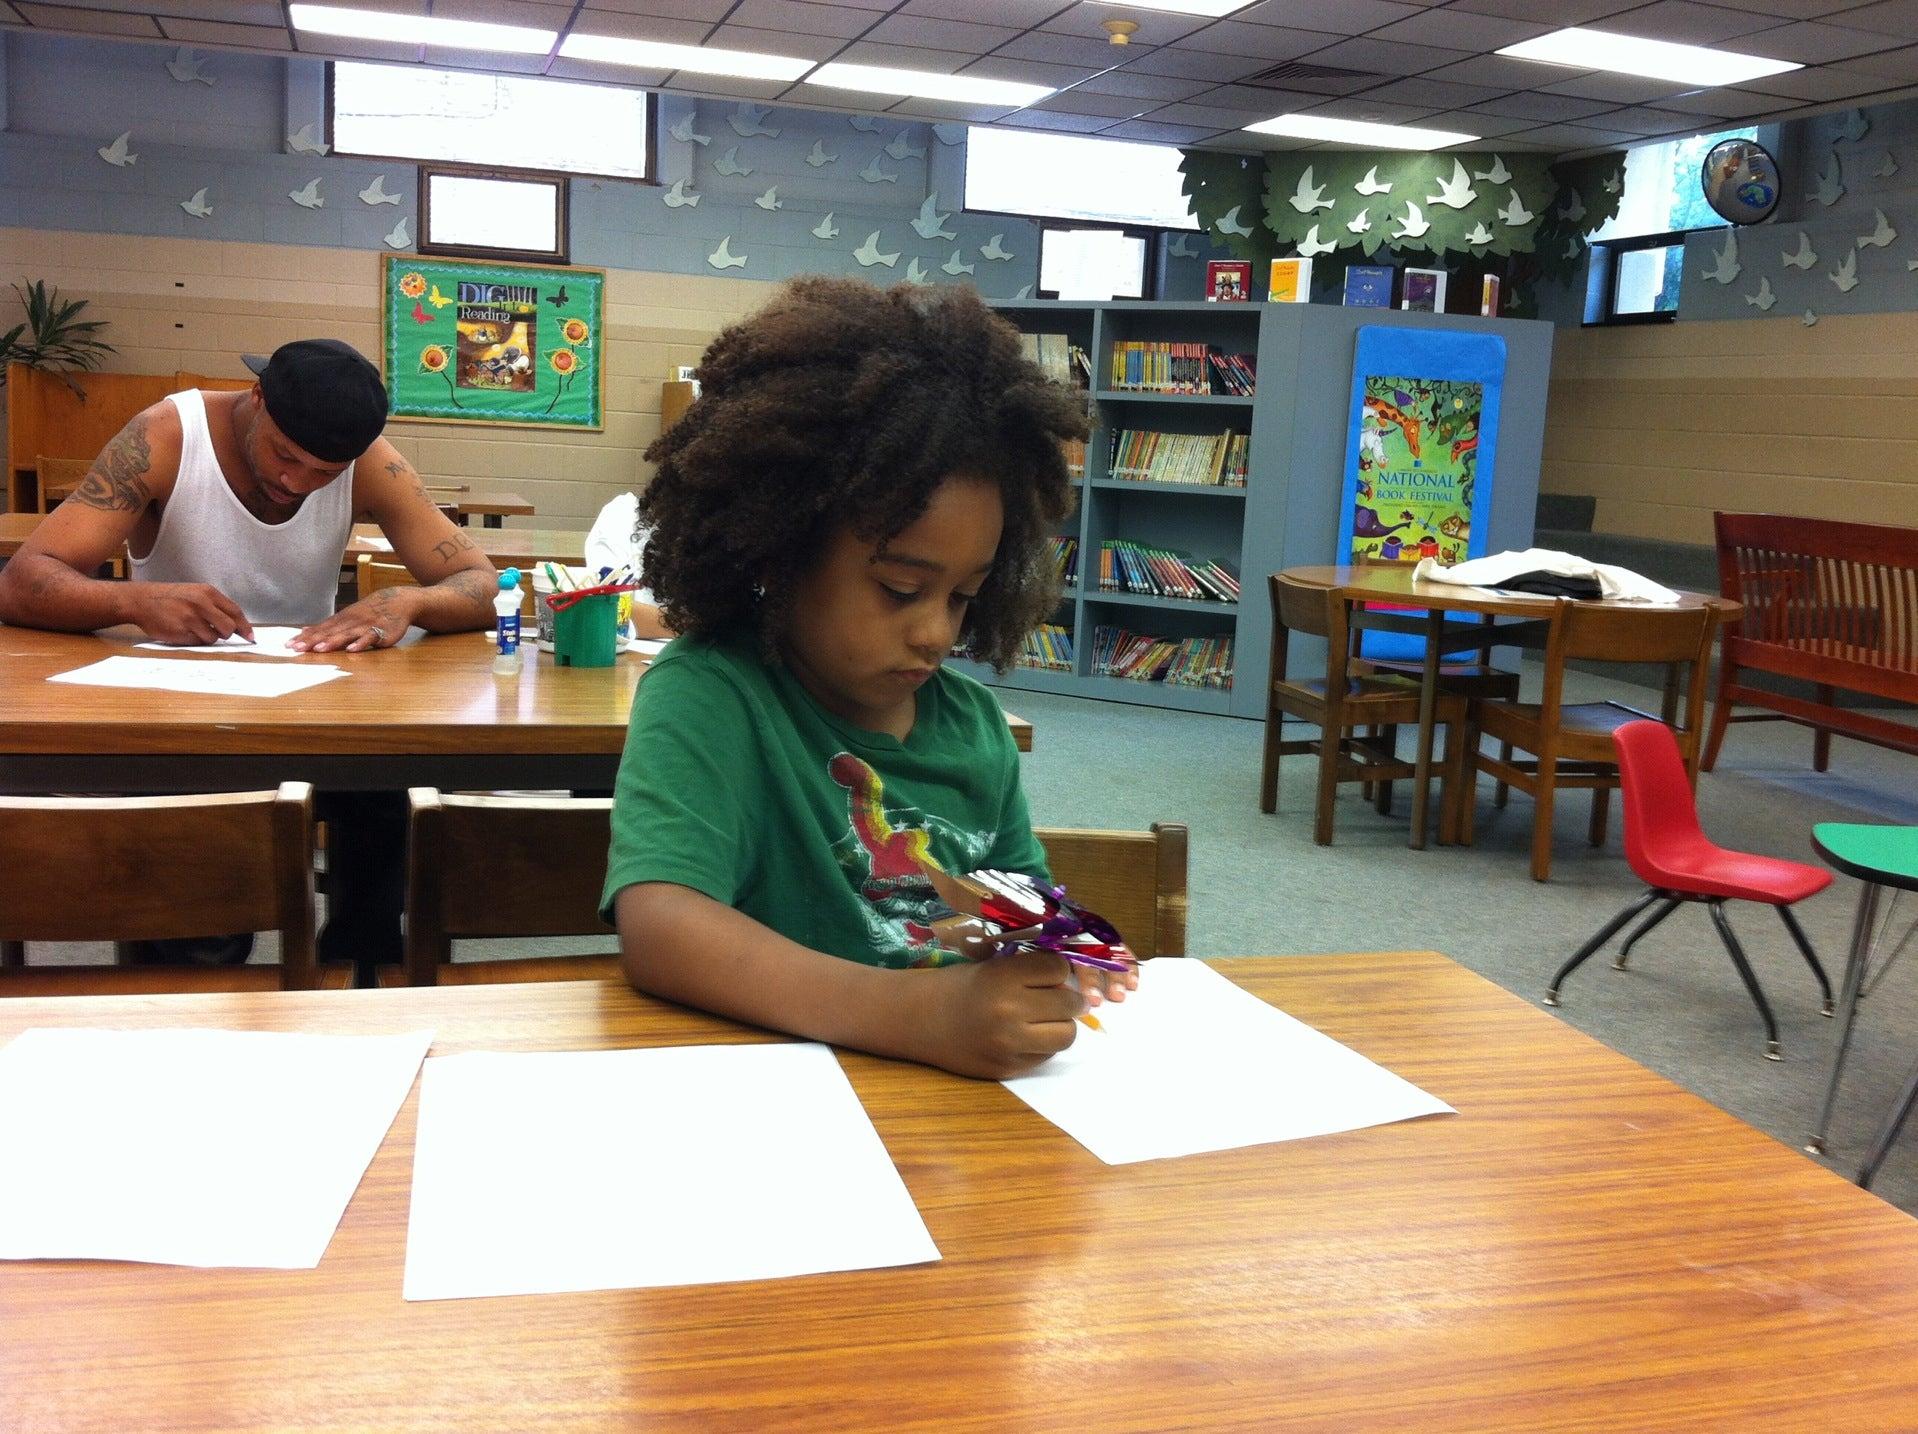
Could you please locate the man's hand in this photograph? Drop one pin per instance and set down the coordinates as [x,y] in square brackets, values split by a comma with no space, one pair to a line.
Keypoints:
[378,621]
[999,1018]
[187,614]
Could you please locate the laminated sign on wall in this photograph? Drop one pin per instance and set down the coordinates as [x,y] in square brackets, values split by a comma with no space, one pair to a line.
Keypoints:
[467,341]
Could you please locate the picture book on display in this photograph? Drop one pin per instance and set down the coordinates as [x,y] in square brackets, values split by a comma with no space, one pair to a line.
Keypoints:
[1488,297]
[1368,286]
[1228,281]
[1424,289]
[1291,281]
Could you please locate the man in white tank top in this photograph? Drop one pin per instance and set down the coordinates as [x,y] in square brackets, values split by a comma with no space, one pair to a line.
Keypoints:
[237,508]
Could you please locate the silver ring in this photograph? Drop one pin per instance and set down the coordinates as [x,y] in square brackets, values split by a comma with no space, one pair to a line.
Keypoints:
[379,634]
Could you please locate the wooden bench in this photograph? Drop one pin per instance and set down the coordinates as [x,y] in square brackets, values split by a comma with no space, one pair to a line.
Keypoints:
[1835,604]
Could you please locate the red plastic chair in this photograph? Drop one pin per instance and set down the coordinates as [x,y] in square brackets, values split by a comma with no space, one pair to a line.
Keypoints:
[1671,854]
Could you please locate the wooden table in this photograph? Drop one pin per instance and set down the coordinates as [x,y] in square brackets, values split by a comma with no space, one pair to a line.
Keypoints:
[491,508]
[1585,1246]
[507,547]
[1395,586]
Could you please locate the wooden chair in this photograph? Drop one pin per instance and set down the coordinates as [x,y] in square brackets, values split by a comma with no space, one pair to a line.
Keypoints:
[482,866]
[1339,704]
[370,575]
[1572,744]
[58,477]
[148,868]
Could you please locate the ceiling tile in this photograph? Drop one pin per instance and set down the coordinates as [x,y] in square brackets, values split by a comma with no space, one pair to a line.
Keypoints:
[1052,119]
[1562,137]
[929,32]
[948,110]
[1420,90]
[1199,65]
[1899,65]
[490,61]
[1619,89]
[1156,27]
[1266,42]
[774,42]
[903,57]
[1559,12]
[1458,30]
[1541,108]
[1378,57]
[563,68]
[1725,103]
[1209,117]
[1029,72]
[711,11]
[725,87]
[336,47]
[10,16]
[998,12]
[1066,49]
[1830,82]
[212,32]
[800,17]
[1686,23]
[1336,17]
[642,27]
[1639,119]
[1152,133]
[1482,125]
[1134,82]
[1895,17]
[90,22]
[1815,44]
[232,12]
[1500,72]
[504,12]
[1801,9]
[1363,107]
[1085,102]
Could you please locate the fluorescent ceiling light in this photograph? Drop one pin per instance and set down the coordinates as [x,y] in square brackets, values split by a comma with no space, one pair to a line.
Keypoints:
[1695,66]
[1211,9]
[421,30]
[1382,136]
[883,80]
[698,59]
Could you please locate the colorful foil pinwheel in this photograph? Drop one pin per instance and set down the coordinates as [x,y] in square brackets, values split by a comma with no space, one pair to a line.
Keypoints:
[1021,913]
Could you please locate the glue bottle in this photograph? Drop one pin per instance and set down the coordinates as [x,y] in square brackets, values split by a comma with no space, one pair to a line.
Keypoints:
[506,623]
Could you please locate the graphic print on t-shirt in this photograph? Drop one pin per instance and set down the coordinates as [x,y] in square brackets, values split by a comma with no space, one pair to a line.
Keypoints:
[881,854]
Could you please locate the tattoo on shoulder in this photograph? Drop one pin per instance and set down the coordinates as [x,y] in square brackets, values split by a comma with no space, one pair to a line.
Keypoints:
[115,483]
[453,547]
[401,472]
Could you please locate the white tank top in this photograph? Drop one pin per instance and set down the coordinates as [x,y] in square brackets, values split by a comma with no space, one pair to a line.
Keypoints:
[285,574]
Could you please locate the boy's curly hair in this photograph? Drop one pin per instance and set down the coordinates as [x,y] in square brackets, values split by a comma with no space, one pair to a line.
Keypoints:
[841,403]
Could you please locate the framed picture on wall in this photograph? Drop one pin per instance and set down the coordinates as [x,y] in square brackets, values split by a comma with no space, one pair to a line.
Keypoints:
[470,341]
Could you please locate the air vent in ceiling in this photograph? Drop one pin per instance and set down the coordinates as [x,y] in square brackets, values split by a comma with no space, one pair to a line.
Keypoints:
[1294,72]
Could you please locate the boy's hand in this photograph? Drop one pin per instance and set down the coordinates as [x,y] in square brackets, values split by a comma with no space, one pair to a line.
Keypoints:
[999,1018]
[1101,986]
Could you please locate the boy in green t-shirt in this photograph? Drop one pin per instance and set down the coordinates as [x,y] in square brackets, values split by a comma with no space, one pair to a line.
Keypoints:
[868,479]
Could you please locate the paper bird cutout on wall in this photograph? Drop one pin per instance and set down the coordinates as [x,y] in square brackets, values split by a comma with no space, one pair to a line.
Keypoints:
[1829,186]
[1479,235]
[1497,174]
[1887,167]
[1852,126]
[948,133]
[1515,213]
[1456,192]
[903,148]
[749,119]
[868,253]
[1413,224]
[1573,209]
[825,228]
[679,196]
[1025,292]
[728,163]
[931,224]
[916,273]
[1726,266]
[993,249]
[1809,319]
[955,266]
[724,258]
[1881,234]
[1370,184]
[770,200]
[865,124]
[116,154]
[398,238]
[1181,247]
[1764,298]
[304,141]
[1229,223]
[197,205]
[1360,222]
[186,67]
[375,193]
[1802,257]
[1845,276]
[683,132]
[875,173]
[1307,197]
[1312,245]
[308,195]
[817,156]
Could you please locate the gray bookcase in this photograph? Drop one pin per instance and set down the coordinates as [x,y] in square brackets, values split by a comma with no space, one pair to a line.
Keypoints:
[1288,512]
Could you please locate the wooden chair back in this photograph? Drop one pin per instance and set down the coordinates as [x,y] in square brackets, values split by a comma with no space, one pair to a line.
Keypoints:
[1136,880]
[1619,632]
[370,575]
[1317,612]
[67,415]
[184,379]
[503,866]
[58,477]
[150,868]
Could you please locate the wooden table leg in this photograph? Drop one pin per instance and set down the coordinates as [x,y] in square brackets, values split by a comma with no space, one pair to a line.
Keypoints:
[1428,709]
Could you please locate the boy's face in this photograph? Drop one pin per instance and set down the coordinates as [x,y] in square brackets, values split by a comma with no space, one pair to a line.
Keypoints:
[871,622]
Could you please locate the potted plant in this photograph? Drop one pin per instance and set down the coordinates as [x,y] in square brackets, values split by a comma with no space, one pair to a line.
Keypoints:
[53,337]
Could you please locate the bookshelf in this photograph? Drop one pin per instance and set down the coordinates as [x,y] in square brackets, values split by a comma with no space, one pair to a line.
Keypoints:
[1285,515]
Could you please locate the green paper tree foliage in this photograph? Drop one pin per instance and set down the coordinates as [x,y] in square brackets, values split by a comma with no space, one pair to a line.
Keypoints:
[1229,189]
[1439,203]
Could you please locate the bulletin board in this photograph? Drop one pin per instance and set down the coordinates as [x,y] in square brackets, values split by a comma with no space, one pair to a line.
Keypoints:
[468,341]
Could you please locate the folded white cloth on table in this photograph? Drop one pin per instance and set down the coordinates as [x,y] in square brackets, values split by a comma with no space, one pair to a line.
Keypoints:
[1620,584]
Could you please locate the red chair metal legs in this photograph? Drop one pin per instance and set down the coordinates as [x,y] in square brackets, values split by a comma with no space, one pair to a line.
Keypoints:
[1667,849]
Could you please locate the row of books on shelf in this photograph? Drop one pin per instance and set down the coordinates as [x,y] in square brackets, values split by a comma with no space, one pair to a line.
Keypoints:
[1182,662]
[1063,361]
[1065,556]
[1128,567]
[1184,368]
[1048,648]
[1075,450]
[1203,459]
[1367,286]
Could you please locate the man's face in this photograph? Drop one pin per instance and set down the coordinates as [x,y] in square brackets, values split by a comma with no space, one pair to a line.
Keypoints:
[284,472]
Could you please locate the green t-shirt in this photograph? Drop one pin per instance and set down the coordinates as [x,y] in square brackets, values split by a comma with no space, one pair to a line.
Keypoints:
[736,783]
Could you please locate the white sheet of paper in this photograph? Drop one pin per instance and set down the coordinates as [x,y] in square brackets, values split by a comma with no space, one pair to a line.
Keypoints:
[384,545]
[201,674]
[268,642]
[191,1147]
[603,1170]
[650,646]
[1190,1062]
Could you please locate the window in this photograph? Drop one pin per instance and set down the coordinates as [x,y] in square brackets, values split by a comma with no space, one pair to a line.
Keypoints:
[1104,263]
[492,214]
[500,121]
[1064,176]
[1662,192]
[1635,281]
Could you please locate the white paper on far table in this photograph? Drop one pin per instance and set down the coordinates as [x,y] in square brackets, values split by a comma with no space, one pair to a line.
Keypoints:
[599,1170]
[649,646]
[201,674]
[191,1147]
[268,642]
[1190,1062]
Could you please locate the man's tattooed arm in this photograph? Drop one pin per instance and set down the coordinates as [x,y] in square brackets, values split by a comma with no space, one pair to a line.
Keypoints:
[116,483]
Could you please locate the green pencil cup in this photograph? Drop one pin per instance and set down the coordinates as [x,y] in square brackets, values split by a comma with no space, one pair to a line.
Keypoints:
[586,633]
